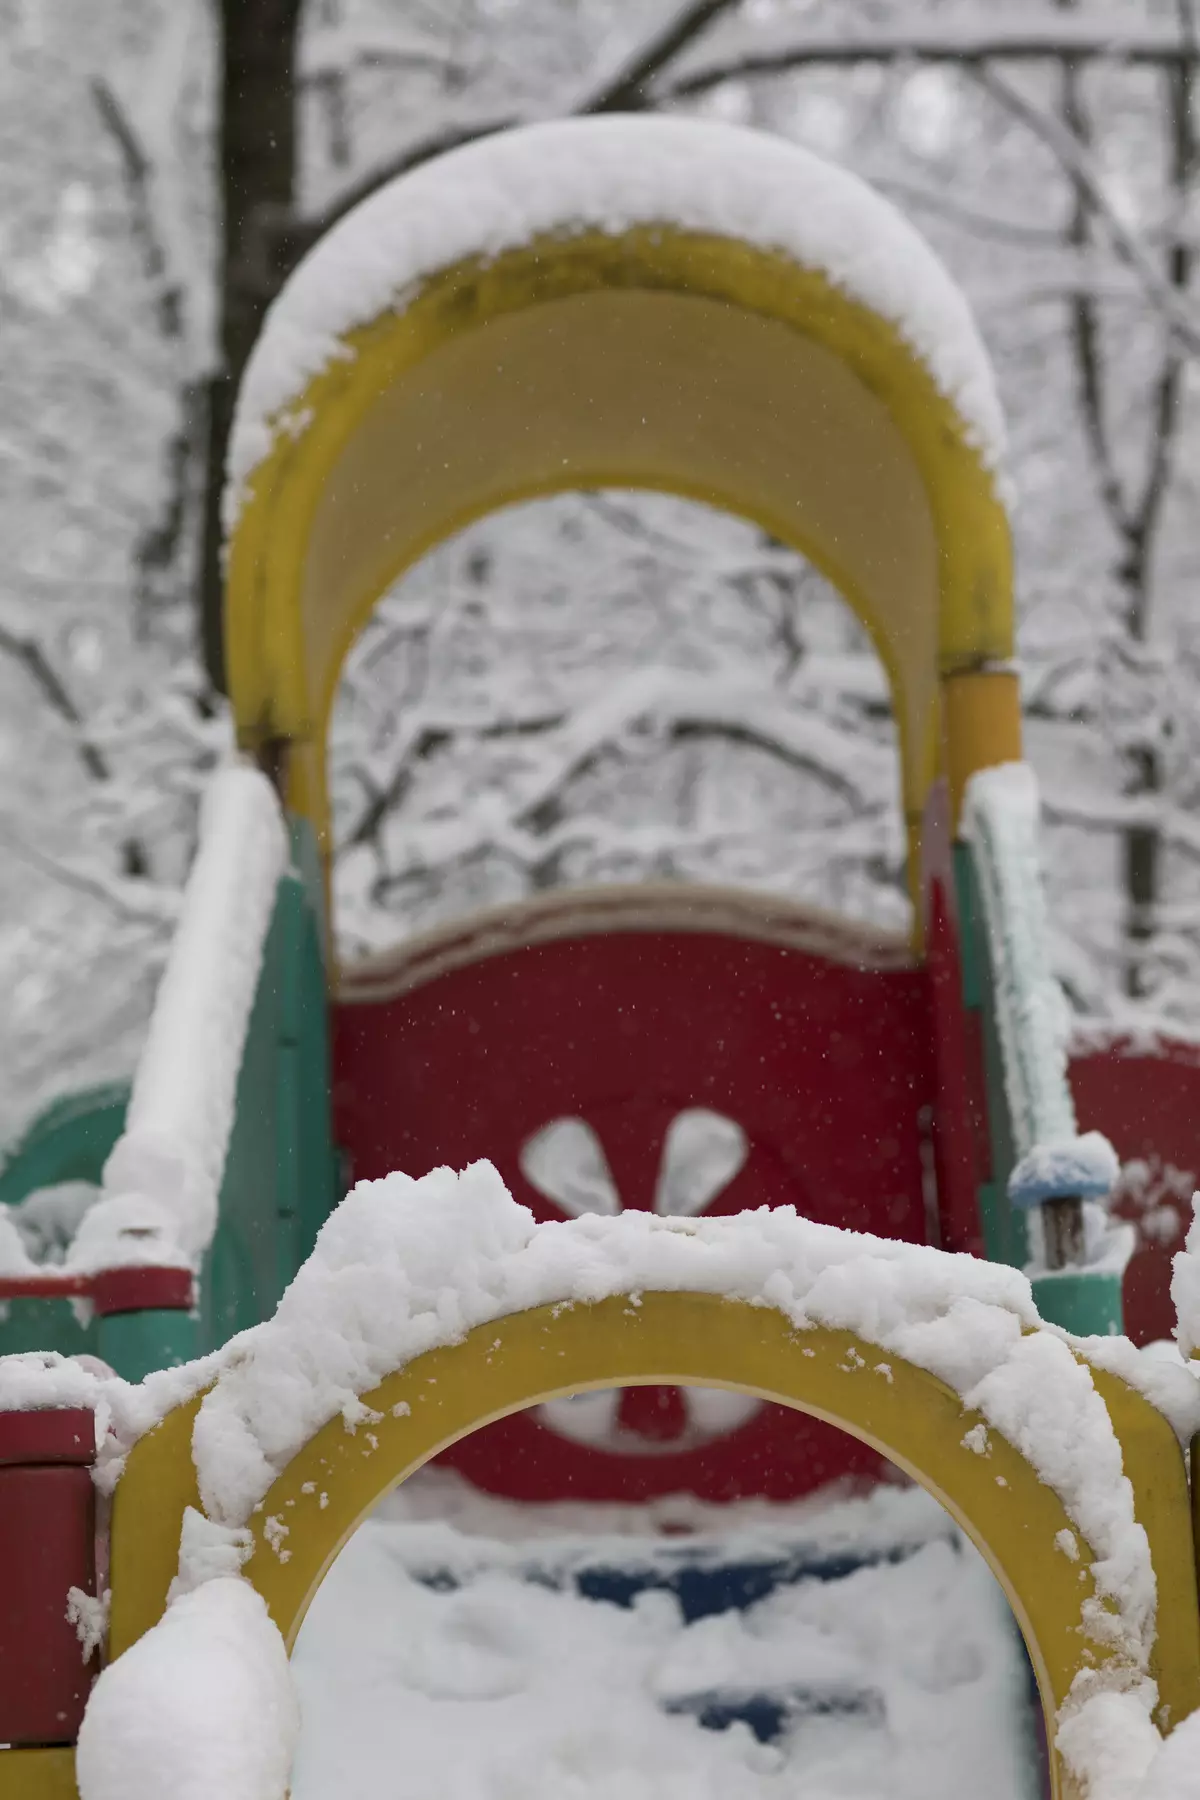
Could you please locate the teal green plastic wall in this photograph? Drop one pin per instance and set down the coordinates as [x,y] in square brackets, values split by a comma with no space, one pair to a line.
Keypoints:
[70,1141]
[280,1181]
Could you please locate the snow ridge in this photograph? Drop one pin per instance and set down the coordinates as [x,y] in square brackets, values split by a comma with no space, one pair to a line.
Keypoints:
[162,1182]
[610,174]
[404,1266]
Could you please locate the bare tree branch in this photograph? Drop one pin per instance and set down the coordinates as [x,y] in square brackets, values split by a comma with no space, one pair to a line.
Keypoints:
[1073,158]
[1182,153]
[138,173]
[134,902]
[40,669]
[1031,38]
[1084,322]
[626,91]
[985,225]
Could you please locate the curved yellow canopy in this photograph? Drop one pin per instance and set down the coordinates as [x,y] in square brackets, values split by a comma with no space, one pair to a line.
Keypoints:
[647,357]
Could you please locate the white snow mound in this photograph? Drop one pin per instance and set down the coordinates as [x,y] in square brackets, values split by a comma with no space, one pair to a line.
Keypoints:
[610,173]
[164,1174]
[201,1705]
[404,1266]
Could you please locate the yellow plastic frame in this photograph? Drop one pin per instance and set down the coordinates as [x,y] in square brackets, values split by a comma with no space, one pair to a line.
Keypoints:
[332,1484]
[654,358]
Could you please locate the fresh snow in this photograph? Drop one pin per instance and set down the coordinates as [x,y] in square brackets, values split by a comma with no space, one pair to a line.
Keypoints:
[444,1655]
[162,1182]
[37,1231]
[404,1266]
[202,1705]
[1000,822]
[609,173]
[1085,1166]
[1185,1286]
[124,1411]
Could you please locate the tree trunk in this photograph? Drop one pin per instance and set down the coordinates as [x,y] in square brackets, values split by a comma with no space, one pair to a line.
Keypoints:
[256,151]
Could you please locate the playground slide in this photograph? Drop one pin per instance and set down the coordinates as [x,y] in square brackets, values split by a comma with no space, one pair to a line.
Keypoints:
[669,304]
[859,1648]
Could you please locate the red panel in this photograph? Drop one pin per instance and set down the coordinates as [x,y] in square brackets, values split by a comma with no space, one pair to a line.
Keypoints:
[825,1067]
[135,1289]
[960,1078]
[52,1435]
[1149,1106]
[47,1526]
[777,1455]
[142,1290]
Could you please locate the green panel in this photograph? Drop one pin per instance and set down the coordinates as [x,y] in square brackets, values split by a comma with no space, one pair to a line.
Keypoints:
[1086,1304]
[1004,1234]
[972,941]
[279,1184]
[135,1343]
[46,1325]
[280,1180]
[306,864]
[240,1283]
[70,1141]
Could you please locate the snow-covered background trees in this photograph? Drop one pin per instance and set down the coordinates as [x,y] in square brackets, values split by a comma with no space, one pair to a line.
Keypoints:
[603,686]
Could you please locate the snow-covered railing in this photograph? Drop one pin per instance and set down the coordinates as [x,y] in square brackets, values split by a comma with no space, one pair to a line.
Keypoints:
[1054,1163]
[403,1267]
[162,1181]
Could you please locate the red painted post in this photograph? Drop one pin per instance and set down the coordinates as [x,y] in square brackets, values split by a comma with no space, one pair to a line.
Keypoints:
[47,1546]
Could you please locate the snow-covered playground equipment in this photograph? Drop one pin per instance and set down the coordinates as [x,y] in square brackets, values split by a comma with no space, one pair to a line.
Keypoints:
[653,304]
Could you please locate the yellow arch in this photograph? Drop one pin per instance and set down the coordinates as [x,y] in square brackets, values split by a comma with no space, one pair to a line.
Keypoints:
[660,358]
[331,1485]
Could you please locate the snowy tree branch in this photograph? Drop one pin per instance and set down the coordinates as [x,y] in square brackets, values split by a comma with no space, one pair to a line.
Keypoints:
[678,711]
[41,671]
[1074,159]
[628,90]
[134,902]
[138,171]
[1032,38]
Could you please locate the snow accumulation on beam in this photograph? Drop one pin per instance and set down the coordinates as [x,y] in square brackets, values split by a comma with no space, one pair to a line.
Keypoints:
[611,174]
[202,1705]
[1000,822]
[404,1266]
[162,1181]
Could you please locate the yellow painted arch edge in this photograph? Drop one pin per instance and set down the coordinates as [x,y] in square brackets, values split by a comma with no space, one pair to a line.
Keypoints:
[334,1482]
[282,679]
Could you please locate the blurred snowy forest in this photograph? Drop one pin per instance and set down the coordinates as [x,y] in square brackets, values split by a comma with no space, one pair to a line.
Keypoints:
[603,686]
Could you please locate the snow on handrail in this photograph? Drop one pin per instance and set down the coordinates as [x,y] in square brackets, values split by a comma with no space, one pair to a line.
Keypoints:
[162,1181]
[1000,822]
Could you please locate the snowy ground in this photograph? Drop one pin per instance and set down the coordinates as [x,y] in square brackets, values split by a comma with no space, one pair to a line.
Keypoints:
[901,1678]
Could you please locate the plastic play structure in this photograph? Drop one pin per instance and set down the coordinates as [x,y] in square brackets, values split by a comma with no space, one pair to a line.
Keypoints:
[653,304]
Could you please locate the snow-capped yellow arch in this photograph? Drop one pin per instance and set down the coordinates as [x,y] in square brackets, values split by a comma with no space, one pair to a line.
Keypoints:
[526,1358]
[653,355]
